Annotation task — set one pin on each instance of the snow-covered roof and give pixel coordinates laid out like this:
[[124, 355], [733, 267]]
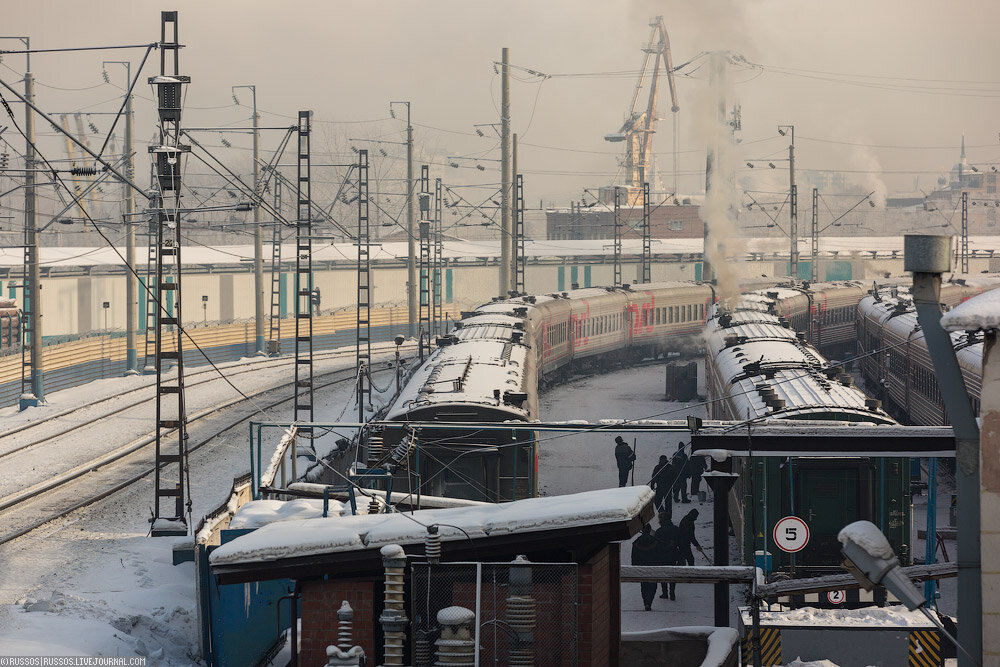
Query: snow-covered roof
[[310, 537], [979, 312]]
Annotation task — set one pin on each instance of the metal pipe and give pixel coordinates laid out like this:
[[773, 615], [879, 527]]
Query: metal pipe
[[928, 257]]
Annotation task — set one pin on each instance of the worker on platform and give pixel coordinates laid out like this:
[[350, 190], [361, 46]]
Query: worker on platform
[[661, 482], [668, 538], [625, 458], [644, 552], [680, 461], [686, 532]]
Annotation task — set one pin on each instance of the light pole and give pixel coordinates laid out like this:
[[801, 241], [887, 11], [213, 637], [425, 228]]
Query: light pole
[[258, 253], [411, 263], [793, 214], [204, 309], [131, 287]]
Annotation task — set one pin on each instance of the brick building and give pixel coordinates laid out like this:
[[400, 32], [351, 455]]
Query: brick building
[[598, 222], [338, 558]]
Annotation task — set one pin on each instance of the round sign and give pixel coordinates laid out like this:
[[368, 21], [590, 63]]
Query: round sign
[[836, 597], [791, 534]]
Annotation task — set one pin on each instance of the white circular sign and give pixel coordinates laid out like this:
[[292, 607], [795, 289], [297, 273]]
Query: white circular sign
[[791, 534], [836, 597]]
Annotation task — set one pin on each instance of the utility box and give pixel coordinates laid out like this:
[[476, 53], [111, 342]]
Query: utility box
[[877, 636], [681, 381]]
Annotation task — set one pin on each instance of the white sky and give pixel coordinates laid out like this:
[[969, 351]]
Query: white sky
[[346, 61]]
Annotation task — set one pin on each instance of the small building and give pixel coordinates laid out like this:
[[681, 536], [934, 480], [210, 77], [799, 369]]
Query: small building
[[567, 571], [667, 221]]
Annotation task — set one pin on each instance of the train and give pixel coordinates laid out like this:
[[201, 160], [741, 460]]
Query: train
[[489, 367], [758, 368], [895, 363], [10, 327]]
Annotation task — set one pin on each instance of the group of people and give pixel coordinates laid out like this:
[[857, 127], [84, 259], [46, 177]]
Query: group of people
[[670, 544]]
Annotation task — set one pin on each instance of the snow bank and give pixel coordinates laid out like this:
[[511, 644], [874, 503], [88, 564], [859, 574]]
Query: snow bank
[[882, 617], [979, 312], [259, 513], [305, 537]]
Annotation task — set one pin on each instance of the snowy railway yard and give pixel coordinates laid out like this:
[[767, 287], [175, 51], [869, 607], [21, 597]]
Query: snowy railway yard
[[94, 583]]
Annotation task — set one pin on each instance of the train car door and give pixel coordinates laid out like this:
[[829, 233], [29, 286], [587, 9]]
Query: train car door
[[827, 500]]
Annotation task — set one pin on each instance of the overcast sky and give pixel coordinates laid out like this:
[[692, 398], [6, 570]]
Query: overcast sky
[[894, 75]]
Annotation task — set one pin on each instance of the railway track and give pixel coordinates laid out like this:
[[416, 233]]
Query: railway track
[[114, 471]]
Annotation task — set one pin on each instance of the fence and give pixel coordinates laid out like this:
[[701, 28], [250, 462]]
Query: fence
[[525, 613]]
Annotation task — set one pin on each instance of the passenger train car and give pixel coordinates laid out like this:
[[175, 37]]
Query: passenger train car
[[758, 368], [894, 360]]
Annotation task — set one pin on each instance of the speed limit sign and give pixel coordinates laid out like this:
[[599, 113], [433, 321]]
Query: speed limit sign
[[836, 597], [791, 534]]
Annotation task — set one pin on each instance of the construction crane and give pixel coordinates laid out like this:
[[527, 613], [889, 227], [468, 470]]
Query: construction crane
[[638, 128]]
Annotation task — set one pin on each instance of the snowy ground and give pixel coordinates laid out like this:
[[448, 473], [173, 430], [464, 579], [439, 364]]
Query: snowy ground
[[96, 585]]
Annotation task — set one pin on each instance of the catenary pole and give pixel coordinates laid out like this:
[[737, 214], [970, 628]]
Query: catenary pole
[[505, 235]]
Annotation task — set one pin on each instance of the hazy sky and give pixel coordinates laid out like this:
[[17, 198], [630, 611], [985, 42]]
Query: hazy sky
[[894, 75]]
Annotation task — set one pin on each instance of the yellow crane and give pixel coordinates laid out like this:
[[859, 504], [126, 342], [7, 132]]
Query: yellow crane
[[639, 126]]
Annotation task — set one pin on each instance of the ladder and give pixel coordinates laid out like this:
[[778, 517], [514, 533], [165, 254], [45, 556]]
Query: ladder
[[618, 238], [646, 251], [437, 308], [519, 234], [172, 504], [27, 306], [363, 346], [424, 315], [303, 411], [274, 333]]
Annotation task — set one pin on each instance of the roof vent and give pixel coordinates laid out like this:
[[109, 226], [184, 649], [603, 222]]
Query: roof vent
[[529, 299], [515, 398], [846, 380], [521, 311], [873, 404]]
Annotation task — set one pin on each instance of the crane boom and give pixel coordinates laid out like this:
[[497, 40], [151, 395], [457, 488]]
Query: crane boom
[[639, 126]]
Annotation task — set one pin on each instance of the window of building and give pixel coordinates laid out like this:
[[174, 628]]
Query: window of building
[[675, 225]]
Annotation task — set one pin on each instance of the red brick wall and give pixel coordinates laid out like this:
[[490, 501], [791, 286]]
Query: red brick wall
[[320, 602], [599, 620]]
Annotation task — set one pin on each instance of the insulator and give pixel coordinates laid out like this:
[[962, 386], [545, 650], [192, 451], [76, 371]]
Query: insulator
[[104, 73], [373, 506], [93, 128], [345, 626], [457, 645], [402, 451], [83, 171], [422, 654], [432, 545]]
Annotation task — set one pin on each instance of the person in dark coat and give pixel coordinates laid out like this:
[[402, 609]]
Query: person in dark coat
[[668, 538], [686, 532], [696, 466], [644, 552], [625, 458], [680, 461], [660, 482]]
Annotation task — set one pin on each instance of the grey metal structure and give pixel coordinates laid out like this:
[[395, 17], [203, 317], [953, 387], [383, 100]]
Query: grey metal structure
[[424, 315], [964, 251], [303, 278], [363, 344], [274, 328], [171, 504], [618, 238], [646, 249], [31, 338], [814, 251], [928, 257], [437, 306], [519, 234]]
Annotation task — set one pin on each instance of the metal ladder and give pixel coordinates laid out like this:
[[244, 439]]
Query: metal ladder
[[437, 307], [618, 238], [274, 333], [303, 279], [424, 314], [27, 306], [519, 234], [363, 345], [171, 481], [646, 251]]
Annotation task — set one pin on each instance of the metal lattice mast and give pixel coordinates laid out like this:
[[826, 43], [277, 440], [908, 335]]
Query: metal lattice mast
[[31, 342], [814, 252], [274, 329], [519, 234], [793, 262], [618, 238], [437, 311], [646, 250], [149, 354], [363, 345], [423, 281], [303, 278], [171, 482], [965, 233]]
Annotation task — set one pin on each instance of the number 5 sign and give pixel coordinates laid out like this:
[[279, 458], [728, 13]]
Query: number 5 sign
[[791, 534]]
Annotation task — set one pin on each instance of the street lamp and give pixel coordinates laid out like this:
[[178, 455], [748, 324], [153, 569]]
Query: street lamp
[[398, 340], [204, 308], [793, 213]]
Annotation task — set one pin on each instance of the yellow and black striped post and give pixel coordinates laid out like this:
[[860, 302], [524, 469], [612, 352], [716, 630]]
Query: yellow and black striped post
[[770, 647], [925, 648]]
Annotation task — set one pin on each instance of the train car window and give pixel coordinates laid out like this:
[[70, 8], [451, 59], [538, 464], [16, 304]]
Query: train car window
[[689, 314], [701, 311], [657, 316], [670, 314]]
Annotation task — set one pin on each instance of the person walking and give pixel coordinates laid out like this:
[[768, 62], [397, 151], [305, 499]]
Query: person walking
[[696, 467], [625, 458], [686, 534], [644, 552], [680, 462], [668, 538], [661, 482]]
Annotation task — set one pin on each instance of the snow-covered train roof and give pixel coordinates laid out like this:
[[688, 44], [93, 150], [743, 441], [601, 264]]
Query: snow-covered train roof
[[802, 392], [464, 373]]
